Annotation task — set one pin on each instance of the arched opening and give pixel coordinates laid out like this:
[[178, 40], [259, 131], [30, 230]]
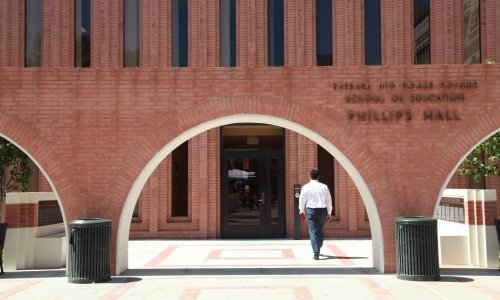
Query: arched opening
[[36, 220], [126, 216], [466, 210]]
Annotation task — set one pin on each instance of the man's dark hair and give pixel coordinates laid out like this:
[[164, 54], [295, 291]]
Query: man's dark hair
[[314, 173]]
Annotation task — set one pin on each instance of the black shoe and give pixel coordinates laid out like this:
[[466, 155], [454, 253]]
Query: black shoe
[[316, 256]]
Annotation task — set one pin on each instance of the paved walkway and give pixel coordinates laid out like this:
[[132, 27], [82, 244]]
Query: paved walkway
[[251, 269]]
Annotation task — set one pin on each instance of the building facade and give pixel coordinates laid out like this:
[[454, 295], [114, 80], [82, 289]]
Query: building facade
[[198, 119]]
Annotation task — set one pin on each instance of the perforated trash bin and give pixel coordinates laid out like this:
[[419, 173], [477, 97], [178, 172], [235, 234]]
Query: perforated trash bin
[[89, 251], [417, 256]]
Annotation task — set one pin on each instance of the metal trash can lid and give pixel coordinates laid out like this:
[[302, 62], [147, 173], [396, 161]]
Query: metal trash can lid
[[89, 221], [415, 220]]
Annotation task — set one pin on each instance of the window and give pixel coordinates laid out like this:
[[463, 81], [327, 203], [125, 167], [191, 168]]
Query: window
[[180, 181], [180, 33], [472, 32], [276, 33], [228, 33], [131, 33], [33, 35], [324, 52], [372, 33], [422, 32], [82, 33]]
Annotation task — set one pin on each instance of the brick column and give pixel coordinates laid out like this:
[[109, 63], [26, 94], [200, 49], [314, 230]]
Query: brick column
[[203, 34], [397, 44], [300, 34], [58, 33], [107, 33], [348, 32], [213, 186], [447, 39], [156, 33], [251, 23], [490, 30], [12, 33], [301, 156]]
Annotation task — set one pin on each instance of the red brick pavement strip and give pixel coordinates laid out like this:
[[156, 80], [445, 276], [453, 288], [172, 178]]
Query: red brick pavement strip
[[216, 253], [160, 257], [376, 289], [300, 292], [341, 255], [23, 285], [486, 290], [121, 289]]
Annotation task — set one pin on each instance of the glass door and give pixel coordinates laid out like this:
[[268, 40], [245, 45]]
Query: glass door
[[252, 187]]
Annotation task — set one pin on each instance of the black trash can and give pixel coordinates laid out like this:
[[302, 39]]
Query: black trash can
[[89, 251], [417, 256]]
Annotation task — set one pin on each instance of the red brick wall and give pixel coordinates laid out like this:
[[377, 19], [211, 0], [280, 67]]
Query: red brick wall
[[58, 33], [21, 215], [94, 129]]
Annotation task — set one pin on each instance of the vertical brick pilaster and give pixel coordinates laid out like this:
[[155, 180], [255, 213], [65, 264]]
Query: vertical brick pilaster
[[106, 36], [153, 200], [156, 33], [348, 33], [58, 33], [194, 34], [397, 32], [261, 33], [213, 184], [246, 33], [12, 34], [490, 29], [300, 34], [213, 38], [291, 178], [446, 36]]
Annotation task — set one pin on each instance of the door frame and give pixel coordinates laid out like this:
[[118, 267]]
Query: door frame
[[266, 229]]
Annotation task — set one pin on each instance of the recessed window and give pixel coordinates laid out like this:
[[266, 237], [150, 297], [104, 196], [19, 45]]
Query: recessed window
[[180, 33], [372, 33], [131, 33], [180, 202], [33, 34], [228, 33], [324, 52], [422, 31], [276, 33], [82, 33], [472, 32]]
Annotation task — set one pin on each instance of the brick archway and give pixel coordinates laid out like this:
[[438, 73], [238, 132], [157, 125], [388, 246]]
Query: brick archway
[[461, 145], [229, 110], [46, 159]]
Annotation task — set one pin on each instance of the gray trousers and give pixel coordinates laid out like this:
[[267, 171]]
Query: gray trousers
[[316, 218]]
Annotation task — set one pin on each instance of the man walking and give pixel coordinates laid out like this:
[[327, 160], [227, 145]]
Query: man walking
[[315, 205]]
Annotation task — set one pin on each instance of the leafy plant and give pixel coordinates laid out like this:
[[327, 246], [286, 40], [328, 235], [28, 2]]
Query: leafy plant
[[475, 166], [489, 61], [14, 170]]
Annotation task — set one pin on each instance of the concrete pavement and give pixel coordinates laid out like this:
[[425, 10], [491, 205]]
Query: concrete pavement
[[251, 269]]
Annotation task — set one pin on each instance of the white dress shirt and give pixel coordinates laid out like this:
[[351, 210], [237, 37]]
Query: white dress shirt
[[315, 195]]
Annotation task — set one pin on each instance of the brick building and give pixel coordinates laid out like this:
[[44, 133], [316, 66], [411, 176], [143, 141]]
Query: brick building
[[196, 119]]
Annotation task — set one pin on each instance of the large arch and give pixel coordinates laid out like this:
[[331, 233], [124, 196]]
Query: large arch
[[42, 155], [484, 126], [458, 164], [133, 195]]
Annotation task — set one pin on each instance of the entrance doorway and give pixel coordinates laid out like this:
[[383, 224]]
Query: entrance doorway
[[252, 182]]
